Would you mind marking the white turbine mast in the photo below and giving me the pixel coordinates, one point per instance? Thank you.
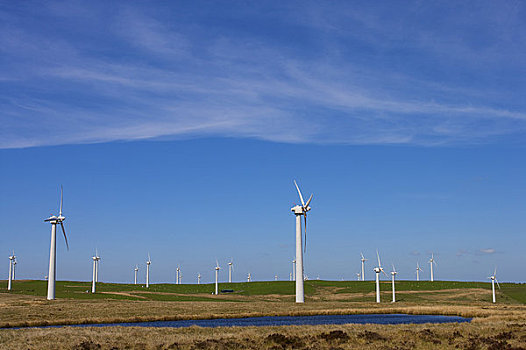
(431, 262)
(12, 261)
(493, 279)
(294, 269)
(358, 276)
(94, 278)
(363, 260)
(377, 270)
(148, 271)
(393, 274)
(136, 270)
(230, 269)
(217, 275)
(198, 278)
(54, 221)
(98, 265)
(249, 278)
(275, 277)
(177, 279)
(14, 267)
(418, 269)
(299, 211)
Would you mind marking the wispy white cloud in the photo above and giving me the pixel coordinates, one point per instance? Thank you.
(487, 251)
(162, 82)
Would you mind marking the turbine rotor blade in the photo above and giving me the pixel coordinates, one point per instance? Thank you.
(61, 200)
(64, 232)
(498, 285)
(299, 192)
(378, 256)
(308, 201)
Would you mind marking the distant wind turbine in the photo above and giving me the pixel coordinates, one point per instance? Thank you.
(418, 269)
(275, 277)
(136, 270)
(54, 221)
(431, 262)
(230, 268)
(148, 271)
(378, 269)
(393, 274)
(98, 265)
(363, 260)
(299, 211)
(217, 275)
(493, 279)
(294, 269)
(14, 269)
(290, 276)
(177, 275)
(12, 259)
(198, 278)
(94, 279)
(248, 277)
(358, 276)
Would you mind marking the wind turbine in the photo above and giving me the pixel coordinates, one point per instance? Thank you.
(493, 279)
(14, 269)
(275, 277)
(393, 274)
(217, 273)
(148, 271)
(198, 278)
(12, 259)
(54, 221)
(431, 262)
(136, 270)
(98, 265)
(378, 270)
(363, 260)
(358, 276)
(418, 269)
(290, 276)
(300, 210)
(177, 274)
(249, 278)
(180, 276)
(94, 280)
(294, 269)
(230, 268)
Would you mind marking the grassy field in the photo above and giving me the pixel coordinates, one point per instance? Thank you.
(501, 326)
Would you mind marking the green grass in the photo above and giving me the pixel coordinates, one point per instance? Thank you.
(509, 292)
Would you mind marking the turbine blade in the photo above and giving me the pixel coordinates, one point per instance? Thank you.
(61, 200)
(383, 272)
(149, 256)
(494, 273)
(498, 285)
(299, 192)
(378, 256)
(64, 232)
(305, 219)
(308, 201)
(362, 256)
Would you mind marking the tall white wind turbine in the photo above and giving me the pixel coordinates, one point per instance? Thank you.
(249, 278)
(290, 276)
(377, 270)
(136, 270)
(12, 260)
(418, 269)
(230, 268)
(54, 221)
(363, 260)
(177, 275)
(393, 274)
(493, 279)
(94, 279)
(148, 271)
(431, 262)
(294, 269)
(299, 211)
(217, 275)
(198, 278)
(358, 276)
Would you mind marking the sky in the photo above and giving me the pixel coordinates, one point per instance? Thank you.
(177, 129)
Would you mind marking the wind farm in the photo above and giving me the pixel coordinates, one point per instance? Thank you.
(289, 143)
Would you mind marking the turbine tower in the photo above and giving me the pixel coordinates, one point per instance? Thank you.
(299, 211)
(217, 274)
(94, 279)
(393, 274)
(136, 270)
(198, 278)
(418, 269)
(275, 277)
(54, 221)
(249, 278)
(431, 262)
(294, 269)
(290, 276)
(358, 276)
(177, 274)
(230, 268)
(363, 260)
(493, 279)
(148, 271)
(12, 260)
(378, 270)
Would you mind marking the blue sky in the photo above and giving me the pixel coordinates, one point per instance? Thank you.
(177, 129)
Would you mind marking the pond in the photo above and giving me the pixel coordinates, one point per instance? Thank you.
(292, 320)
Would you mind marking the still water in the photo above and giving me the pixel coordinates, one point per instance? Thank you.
(293, 320)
